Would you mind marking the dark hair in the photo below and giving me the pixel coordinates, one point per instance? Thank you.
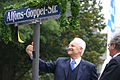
(116, 40)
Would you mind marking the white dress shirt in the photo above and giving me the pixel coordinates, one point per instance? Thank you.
(77, 61)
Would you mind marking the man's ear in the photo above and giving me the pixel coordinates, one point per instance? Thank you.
(113, 46)
(81, 48)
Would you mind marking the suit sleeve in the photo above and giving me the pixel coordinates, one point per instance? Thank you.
(94, 75)
(112, 72)
(48, 67)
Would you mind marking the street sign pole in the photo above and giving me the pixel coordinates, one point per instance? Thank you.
(36, 41)
(32, 15)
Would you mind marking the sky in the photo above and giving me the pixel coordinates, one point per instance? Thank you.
(107, 10)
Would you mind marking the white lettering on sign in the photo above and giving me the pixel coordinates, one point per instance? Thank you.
(12, 16)
(30, 13)
(52, 9)
(35, 13)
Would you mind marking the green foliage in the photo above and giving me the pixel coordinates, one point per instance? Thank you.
(49, 39)
(26, 32)
(7, 32)
(75, 11)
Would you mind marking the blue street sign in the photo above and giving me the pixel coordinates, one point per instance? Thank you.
(29, 14)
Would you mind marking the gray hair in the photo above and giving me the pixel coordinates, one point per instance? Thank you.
(116, 40)
(81, 43)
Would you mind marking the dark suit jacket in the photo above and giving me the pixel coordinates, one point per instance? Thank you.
(112, 70)
(60, 68)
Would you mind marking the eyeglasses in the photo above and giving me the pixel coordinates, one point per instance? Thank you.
(109, 45)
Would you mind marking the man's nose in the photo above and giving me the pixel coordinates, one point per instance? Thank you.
(69, 48)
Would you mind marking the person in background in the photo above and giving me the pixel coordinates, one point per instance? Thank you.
(112, 69)
(69, 68)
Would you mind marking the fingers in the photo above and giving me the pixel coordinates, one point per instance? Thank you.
(29, 50)
(99, 78)
(32, 43)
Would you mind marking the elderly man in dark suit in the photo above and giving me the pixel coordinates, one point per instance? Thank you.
(112, 69)
(73, 68)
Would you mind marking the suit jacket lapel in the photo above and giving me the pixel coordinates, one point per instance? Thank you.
(80, 71)
(67, 63)
(107, 65)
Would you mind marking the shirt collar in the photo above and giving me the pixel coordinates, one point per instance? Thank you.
(116, 54)
(76, 60)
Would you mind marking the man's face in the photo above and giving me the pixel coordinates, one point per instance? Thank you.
(111, 48)
(74, 49)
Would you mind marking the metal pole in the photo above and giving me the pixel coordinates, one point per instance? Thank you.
(36, 39)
